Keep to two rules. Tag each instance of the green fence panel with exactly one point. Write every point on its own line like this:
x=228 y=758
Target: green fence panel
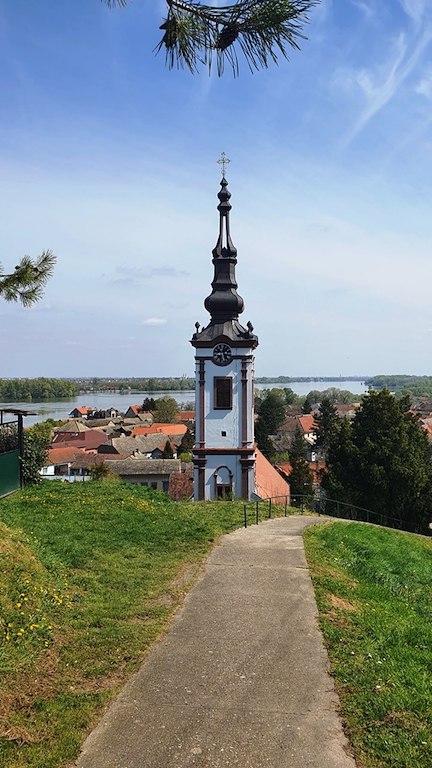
x=9 y=472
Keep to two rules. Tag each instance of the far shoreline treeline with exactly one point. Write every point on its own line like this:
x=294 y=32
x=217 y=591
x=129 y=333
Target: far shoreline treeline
x=43 y=388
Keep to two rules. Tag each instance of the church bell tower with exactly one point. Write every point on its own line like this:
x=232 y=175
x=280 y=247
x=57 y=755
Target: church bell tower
x=224 y=451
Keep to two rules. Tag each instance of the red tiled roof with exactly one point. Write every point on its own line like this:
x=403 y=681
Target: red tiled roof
x=427 y=428
x=316 y=468
x=62 y=455
x=268 y=482
x=88 y=440
x=186 y=415
x=307 y=423
x=136 y=409
x=160 y=429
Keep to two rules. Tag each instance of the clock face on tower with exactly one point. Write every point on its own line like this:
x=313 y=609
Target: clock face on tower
x=222 y=354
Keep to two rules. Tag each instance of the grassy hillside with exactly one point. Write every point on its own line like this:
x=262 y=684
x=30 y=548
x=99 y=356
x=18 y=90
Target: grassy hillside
x=374 y=592
x=90 y=575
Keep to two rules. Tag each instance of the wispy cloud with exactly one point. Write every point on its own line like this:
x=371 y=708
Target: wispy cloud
x=154 y=321
x=415 y=9
x=367 y=9
x=424 y=86
x=381 y=86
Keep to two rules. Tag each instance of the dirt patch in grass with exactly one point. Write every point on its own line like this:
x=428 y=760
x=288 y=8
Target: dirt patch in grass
x=341 y=603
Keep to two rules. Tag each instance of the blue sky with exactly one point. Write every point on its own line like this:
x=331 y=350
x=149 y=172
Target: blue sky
x=109 y=159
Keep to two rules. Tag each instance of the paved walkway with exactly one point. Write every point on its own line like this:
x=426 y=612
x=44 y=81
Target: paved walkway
x=241 y=678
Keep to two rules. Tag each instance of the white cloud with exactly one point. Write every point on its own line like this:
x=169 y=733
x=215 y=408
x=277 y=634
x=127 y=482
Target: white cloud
x=381 y=86
x=364 y=7
x=424 y=86
x=153 y=321
x=414 y=9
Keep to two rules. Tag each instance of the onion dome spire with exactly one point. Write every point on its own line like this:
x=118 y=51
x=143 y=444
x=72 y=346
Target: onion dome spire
x=224 y=303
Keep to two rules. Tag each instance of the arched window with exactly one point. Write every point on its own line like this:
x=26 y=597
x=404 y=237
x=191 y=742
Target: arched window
x=223 y=483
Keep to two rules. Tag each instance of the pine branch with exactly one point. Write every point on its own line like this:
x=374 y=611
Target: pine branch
x=261 y=29
x=27 y=281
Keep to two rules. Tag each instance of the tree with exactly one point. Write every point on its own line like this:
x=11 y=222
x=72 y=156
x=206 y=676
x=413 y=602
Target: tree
x=307 y=404
x=100 y=471
x=168 y=452
x=271 y=410
x=382 y=461
x=263 y=440
x=194 y=33
x=43 y=430
x=300 y=478
x=290 y=396
x=34 y=457
x=187 y=442
x=26 y=282
x=325 y=420
x=149 y=404
x=166 y=410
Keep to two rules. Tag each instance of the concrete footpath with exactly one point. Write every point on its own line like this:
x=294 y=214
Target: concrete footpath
x=241 y=678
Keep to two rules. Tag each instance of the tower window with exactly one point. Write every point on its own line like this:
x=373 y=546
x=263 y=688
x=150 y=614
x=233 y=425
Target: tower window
x=223 y=393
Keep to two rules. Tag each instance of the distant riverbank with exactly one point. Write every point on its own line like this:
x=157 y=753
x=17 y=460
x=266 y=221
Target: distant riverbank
x=60 y=409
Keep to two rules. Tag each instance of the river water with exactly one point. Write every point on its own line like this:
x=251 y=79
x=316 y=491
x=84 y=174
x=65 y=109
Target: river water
x=60 y=409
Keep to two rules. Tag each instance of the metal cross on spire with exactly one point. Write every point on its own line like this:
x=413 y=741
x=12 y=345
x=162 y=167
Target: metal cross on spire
x=223 y=161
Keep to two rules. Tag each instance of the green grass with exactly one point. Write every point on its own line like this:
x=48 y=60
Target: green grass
x=90 y=575
x=374 y=593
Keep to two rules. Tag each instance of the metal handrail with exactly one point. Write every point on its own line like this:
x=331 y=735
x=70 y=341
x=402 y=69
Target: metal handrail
x=318 y=505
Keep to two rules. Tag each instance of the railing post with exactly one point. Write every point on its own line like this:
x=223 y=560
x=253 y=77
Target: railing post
x=257 y=513
x=270 y=508
x=286 y=505
x=21 y=448
x=245 y=515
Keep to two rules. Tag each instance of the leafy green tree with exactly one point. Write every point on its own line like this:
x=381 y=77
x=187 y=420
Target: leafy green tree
x=383 y=461
x=300 y=478
x=166 y=410
x=325 y=420
x=8 y=437
x=25 y=284
x=43 y=431
x=34 y=457
x=307 y=404
x=100 y=471
x=194 y=33
x=290 y=396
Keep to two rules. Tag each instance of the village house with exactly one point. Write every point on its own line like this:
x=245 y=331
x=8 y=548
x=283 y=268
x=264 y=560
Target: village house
x=305 y=423
x=58 y=462
x=76 y=434
x=150 y=473
x=81 y=412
